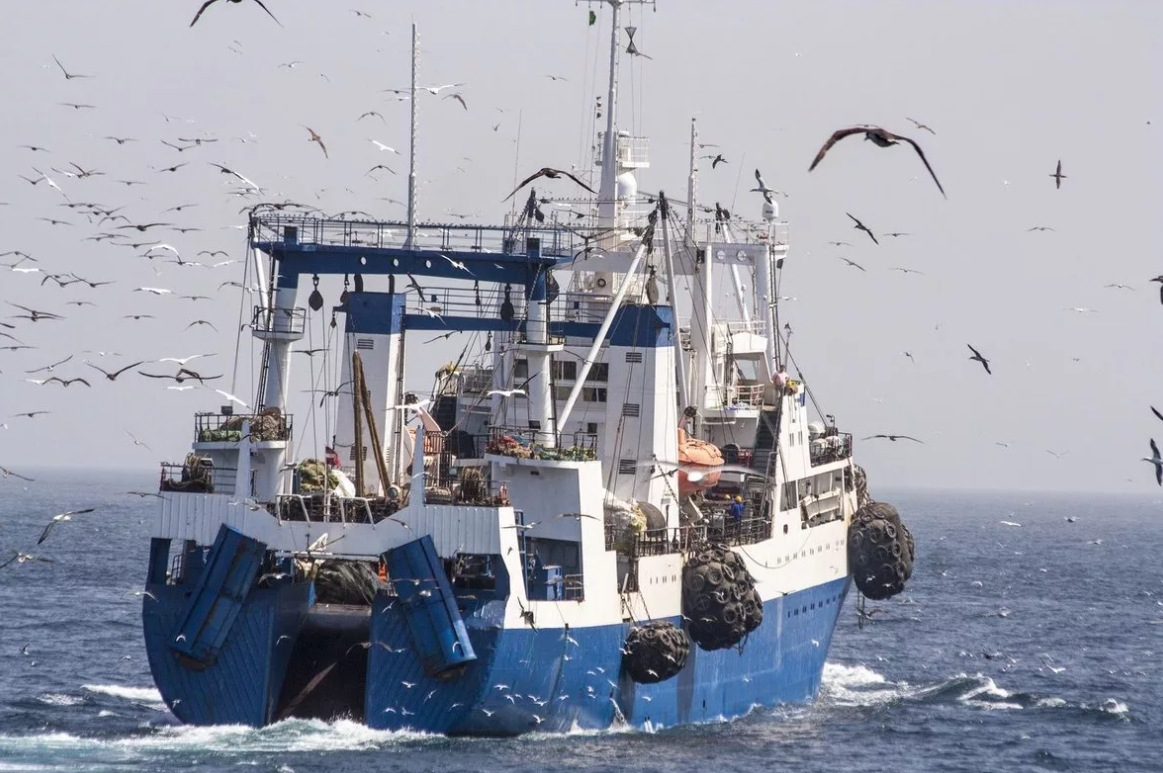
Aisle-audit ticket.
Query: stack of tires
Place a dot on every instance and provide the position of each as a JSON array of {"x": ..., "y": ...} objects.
[
  {"x": 719, "y": 598},
  {"x": 880, "y": 550},
  {"x": 655, "y": 652}
]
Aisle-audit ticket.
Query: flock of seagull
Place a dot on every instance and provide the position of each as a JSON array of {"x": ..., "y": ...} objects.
[{"x": 116, "y": 228}]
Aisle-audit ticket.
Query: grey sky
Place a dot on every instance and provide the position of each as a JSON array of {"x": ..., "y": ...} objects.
[{"x": 1008, "y": 87}]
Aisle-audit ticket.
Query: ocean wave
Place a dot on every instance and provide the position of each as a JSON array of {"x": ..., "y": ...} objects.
[
  {"x": 295, "y": 735},
  {"x": 57, "y": 699},
  {"x": 147, "y": 694},
  {"x": 859, "y": 686}
]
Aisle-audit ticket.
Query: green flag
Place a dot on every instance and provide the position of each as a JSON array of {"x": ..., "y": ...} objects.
[{"x": 593, "y": 18}]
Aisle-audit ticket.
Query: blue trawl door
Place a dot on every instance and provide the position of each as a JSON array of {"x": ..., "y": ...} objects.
[
  {"x": 439, "y": 638},
  {"x": 230, "y": 572}
]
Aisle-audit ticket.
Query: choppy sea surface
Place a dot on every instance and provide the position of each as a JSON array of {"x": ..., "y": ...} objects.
[{"x": 1026, "y": 647}]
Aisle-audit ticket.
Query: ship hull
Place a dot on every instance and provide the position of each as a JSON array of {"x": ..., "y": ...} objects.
[{"x": 523, "y": 680}]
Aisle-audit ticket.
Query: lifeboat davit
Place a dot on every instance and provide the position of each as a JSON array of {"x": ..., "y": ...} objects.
[{"x": 700, "y": 458}]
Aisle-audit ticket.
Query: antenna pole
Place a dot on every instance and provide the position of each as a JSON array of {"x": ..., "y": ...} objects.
[
  {"x": 692, "y": 186},
  {"x": 607, "y": 193},
  {"x": 410, "y": 243}
]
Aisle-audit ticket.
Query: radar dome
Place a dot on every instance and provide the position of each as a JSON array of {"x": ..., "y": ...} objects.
[
  {"x": 770, "y": 210},
  {"x": 627, "y": 189}
]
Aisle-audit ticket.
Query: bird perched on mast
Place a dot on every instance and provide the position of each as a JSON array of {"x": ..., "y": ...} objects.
[{"x": 882, "y": 138}]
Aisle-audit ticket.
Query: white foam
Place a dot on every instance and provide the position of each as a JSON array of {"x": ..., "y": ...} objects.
[
  {"x": 1111, "y": 706},
  {"x": 858, "y": 686},
  {"x": 293, "y": 735},
  {"x": 149, "y": 694},
  {"x": 837, "y": 674},
  {"x": 56, "y": 699}
]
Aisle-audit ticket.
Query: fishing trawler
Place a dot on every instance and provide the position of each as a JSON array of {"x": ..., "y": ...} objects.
[{"x": 620, "y": 511}]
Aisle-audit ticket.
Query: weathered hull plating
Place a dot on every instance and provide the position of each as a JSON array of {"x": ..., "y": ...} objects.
[{"x": 525, "y": 679}]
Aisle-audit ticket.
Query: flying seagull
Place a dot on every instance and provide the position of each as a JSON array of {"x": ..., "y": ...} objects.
[
  {"x": 920, "y": 126},
  {"x": 68, "y": 75},
  {"x": 1155, "y": 459},
  {"x": 209, "y": 3},
  {"x": 316, "y": 138},
  {"x": 977, "y": 356},
  {"x": 893, "y": 438},
  {"x": 862, "y": 227},
  {"x": 762, "y": 187},
  {"x": 1058, "y": 176},
  {"x": 881, "y": 138},
  {"x": 853, "y": 263},
  {"x": 550, "y": 173},
  {"x": 1159, "y": 279},
  {"x": 66, "y": 516}
]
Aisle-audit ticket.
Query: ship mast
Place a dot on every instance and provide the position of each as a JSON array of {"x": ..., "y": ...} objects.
[
  {"x": 608, "y": 190},
  {"x": 410, "y": 243}
]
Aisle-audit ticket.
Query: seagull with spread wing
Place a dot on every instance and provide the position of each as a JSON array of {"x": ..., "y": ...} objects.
[
  {"x": 893, "y": 438},
  {"x": 978, "y": 358},
  {"x": 549, "y": 173},
  {"x": 66, "y": 516},
  {"x": 881, "y": 138},
  {"x": 317, "y": 139},
  {"x": 209, "y": 3}
]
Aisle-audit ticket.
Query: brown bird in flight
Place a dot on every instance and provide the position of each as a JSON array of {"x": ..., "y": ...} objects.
[
  {"x": 550, "y": 173},
  {"x": 209, "y": 3},
  {"x": 881, "y": 138},
  {"x": 316, "y": 138},
  {"x": 1058, "y": 176},
  {"x": 894, "y": 438}
]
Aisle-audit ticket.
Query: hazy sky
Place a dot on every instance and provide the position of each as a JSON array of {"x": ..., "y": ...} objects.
[{"x": 1008, "y": 87}]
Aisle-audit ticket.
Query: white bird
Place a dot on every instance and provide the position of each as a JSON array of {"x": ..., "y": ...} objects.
[
  {"x": 184, "y": 360},
  {"x": 162, "y": 246},
  {"x": 232, "y": 398},
  {"x": 154, "y": 290},
  {"x": 1009, "y": 523},
  {"x": 506, "y": 392},
  {"x": 1081, "y": 310},
  {"x": 1157, "y": 461},
  {"x": 457, "y": 264},
  {"x": 438, "y": 89},
  {"x": 409, "y": 685},
  {"x": 180, "y": 388},
  {"x": 50, "y": 181},
  {"x": 382, "y": 146},
  {"x": 762, "y": 187}
]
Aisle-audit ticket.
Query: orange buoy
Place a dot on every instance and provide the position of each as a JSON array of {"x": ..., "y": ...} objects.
[{"x": 698, "y": 457}]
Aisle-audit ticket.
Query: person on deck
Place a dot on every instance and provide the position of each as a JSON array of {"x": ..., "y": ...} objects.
[{"x": 737, "y": 513}]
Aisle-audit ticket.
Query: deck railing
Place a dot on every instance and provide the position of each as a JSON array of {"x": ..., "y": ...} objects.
[
  {"x": 227, "y": 427},
  {"x": 830, "y": 451},
  {"x": 551, "y": 241}
]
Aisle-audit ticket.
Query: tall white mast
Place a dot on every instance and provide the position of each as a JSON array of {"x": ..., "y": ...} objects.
[
  {"x": 607, "y": 192},
  {"x": 410, "y": 243}
]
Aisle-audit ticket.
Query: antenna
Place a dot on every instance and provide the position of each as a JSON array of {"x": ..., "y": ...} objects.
[
  {"x": 410, "y": 243},
  {"x": 607, "y": 193}
]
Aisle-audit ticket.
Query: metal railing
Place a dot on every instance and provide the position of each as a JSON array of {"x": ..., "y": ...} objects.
[
  {"x": 524, "y": 443},
  {"x": 834, "y": 448},
  {"x": 200, "y": 478},
  {"x": 227, "y": 428},
  {"x": 333, "y": 508},
  {"x": 631, "y": 152},
  {"x": 468, "y": 302},
  {"x": 294, "y": 229},
  {"x": 684, "y": 539},
  {"x": 745, "y": 232},
  {"x": 278, "y": 319}
]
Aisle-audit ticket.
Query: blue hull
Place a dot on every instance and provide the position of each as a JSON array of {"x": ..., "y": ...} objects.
[{"x": 523, "y": 679}]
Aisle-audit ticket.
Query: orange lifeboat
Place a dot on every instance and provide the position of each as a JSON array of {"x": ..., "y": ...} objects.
[{"x": 700, "y": 457}]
